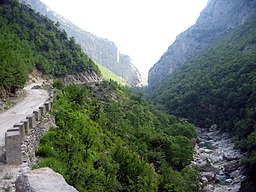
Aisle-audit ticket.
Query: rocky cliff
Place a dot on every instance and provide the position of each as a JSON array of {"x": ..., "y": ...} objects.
[
  {"x": 217, "y": 19},
  {"x": 101, "y": 50}
]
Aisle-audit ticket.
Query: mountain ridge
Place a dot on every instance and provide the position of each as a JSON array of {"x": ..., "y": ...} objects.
[
  {"x": 217, "y": 19},
  {"x": 101, "y": 50}
]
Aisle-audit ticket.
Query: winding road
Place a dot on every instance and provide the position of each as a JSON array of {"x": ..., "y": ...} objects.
[{"x": 34, "y": 99}]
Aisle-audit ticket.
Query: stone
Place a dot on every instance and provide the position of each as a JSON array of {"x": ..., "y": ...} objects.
[
  {"x": 32, "y": 121},
  {"x": 209, "y": 176},
  {"x": 42, "y": 180},
  {"x": 213, "y": 128},
  {"x": 204, "y": 180},
  {"x": 228, "y": 181},
  {"x": 13, "y": 147}
]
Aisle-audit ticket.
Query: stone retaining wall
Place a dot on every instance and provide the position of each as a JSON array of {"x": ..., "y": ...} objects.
[{"x": 22, "y": 139}]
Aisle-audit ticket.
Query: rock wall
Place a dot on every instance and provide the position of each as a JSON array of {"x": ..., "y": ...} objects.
[
  {"x": 22, "y": 139},
  {"x": 101, "y": 50},
  {"x": 81, "y": 78},
  {"x": 216, "y": 20}
]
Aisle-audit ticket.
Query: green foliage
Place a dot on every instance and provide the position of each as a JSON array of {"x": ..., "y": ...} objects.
[
  {"x": 218, "y": 86},
  {"x": 28, "y": 40},
  {"x": 109, "y": 140},
  {"x": 107, "y": 75}
]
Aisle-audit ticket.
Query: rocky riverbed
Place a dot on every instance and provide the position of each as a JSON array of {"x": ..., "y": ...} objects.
[{"x": 218, "y": 161}]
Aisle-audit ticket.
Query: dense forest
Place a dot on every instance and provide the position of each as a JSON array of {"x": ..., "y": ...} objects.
[
  {"x": 108, "y": 139},
  {"x": 29, "y": 40},
  {"x": 218, "y": 86}
]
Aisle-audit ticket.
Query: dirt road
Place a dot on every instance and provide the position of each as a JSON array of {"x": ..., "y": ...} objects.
[{"x": 34, "y": 99}]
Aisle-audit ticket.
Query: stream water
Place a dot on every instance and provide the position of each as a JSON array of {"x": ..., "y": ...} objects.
[{"x": 218, "y": 161}]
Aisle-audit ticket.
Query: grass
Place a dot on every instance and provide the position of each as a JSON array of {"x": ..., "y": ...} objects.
[{"x": 107, "y": 75}]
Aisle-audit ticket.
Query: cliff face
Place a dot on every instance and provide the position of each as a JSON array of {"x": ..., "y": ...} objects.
[
  {"x": 217, "y": 19},
  {"x": 101, "y": 50}
]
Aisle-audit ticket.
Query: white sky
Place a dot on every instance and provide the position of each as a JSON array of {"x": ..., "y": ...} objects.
[{"x": 142, "y": 29}]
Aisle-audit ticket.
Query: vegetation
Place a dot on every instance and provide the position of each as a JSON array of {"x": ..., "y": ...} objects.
[
  {"x": 111, "y": 140},
  {"x": 28, "y": 40},
  {"x": 109, "y": 75},
  {"x": 218, "y": 86}
]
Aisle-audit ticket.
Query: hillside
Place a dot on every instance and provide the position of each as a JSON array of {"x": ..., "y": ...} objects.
[
  {"x": 101, "y": 50},
  {"x": 218, "y": 86},
  {"x": 111, "y": 140},
  {"x": 28, "y": 40},
  {"x": 109, "y": 75},
  {"x": 217, "y": 20}
]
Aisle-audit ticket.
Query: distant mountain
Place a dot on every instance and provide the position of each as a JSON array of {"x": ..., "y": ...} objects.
[
  {"x": 102, "y": 51},
  {"x": 216, "y": 20}
]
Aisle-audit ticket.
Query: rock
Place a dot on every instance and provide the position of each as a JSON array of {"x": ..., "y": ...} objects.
[
  {"x": 213, "y": 128},
  {"x": 232, "y": 166},
  {"x": 208, "y": 188},
  {"x": 228, "y": 181},
  {"x": 100, "y": 50},
  {"x": 42, "y": 180},
  {"x": 209, "y": 176},
  {"x": 204, "y": 180},
  {"x": 37, "y": 87},
  {"x": 216, "y": 20},
  {"x": 1, "y": 106}
]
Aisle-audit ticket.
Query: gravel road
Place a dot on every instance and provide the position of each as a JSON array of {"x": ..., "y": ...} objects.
[{"x": 34, "y": 99}]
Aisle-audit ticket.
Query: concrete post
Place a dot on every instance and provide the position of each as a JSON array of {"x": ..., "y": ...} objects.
[
  {"x": 43, "y": 110},
  {"x": 32, "y": 121},
  {"x": 48, "y": 106},
  {"x": 13, "y": 147},
  {"x": 26, "y": 126},
  {"x": 21, "y": 128},
  {"x": 37, "y": 114}
]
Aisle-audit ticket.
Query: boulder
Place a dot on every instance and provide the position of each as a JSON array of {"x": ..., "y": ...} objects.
[
  {"x": 210, "y": 176},
  {"x": 42, "y": 180}
]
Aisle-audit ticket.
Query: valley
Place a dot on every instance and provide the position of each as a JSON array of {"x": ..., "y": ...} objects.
[{"x": 193, "y": 128}]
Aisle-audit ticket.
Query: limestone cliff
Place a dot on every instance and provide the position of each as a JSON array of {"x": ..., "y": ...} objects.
[
  {"x": 101, "y": 50},
  {"x": 217, "y": 19}
]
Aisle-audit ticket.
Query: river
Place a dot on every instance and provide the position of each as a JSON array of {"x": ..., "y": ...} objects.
[{"x": 218, "y": 161}]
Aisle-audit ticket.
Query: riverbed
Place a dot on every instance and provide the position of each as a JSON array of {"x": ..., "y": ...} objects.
[{"x": 218, "y": 161}]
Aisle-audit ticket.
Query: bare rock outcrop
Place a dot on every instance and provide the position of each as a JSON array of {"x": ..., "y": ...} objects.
[
  {"x": 217, "y": 19},
  {"x": 42, "y": 180},
  {"x": 81, "y": 78}
]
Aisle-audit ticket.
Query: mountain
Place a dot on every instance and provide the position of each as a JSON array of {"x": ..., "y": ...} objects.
[
  {"x": 216, "y": 20},
  {"x": 213, "y": 76},
  {"x": 101, "y": 50},
  {"x": 28, "y": 41}
]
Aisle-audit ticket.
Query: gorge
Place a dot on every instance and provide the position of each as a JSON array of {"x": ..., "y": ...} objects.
[{"x": 107, "y": 138}]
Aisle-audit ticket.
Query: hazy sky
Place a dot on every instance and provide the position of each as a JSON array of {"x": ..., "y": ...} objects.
[{"x": 142, "y": 29}]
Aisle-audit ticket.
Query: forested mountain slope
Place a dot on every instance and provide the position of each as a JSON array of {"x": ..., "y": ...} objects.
[
  {"x": 111, "y": 140},
  {"x": 216, "y": 20},
  {"x": 218, "y": 86},
  {"x": 28, "y": 40},
  {"x": 101, "y": 50}
]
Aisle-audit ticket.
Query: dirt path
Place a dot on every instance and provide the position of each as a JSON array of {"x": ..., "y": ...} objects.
[{"x": 34, "y": 99}]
